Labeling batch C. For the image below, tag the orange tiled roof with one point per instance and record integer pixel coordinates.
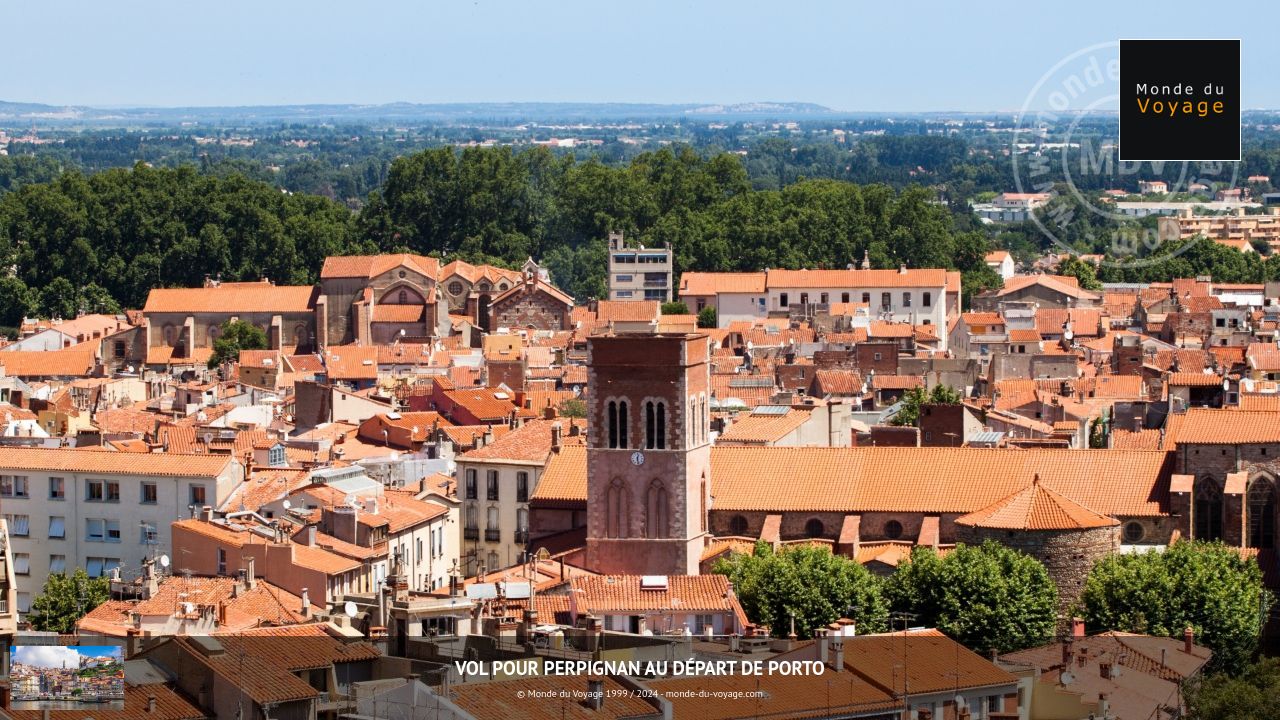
(896, 382)
(75, 361)
(351, 362)
(982, 318)
(708, 283)
(628, 311)
(785, 279)
(886, 479)
(392, 313)
(247, 297)
(1036, 507)
(605, 594)
(1194, 379)
(1065, 285)
(1259, 403)
(531, 442)
(1135, 440)
(482, 403)
(838, 382)
(1209, 426)
(84, 461)
(762, 429)
(367, 266)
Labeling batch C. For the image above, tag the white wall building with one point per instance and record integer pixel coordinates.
(98, 510)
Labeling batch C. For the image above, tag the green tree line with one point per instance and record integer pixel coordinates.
(100, 242)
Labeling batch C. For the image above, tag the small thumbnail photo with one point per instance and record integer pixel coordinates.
(61, 677)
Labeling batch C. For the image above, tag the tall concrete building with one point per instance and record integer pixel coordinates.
(639, 273)
(648, 453)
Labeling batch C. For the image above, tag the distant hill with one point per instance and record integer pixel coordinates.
(17, 113)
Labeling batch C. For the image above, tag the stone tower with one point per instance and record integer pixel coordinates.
(648, 452)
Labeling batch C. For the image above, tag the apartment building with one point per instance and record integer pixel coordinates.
(69, 509)
(497, 481)
(639, 273)
(917, 296)
(1235, 229)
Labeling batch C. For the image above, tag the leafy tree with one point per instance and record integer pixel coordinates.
(573, 408)
(913, 399)
(59, 299)
(1206, 586)
(236, 335)
(807, 584)
(65, 598)
(1080, 270)
(16, 301)
(1252, 695)
(987, 597)
(675, 308)
(707, 318)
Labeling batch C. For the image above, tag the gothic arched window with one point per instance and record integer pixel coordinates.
(1208, 509)
(1261, 512)
(657, 511)
(655, 425)
(616, 525)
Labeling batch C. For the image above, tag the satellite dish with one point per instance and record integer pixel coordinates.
(350, 609)
(164, 561)
(187, 608)
(1068, 334)
(286, 504)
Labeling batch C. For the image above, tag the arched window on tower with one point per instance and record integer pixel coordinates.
(624, 439)
(403, 296)
(611, 411)
(1262, 512)
(657, 515)
(655, 425)
(616, 510)
(1208, 509)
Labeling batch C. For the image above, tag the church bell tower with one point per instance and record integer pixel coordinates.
(648, 453)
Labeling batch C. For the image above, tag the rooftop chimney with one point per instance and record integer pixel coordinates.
(206, 513)
(1077, 627)
(311, 536)
(250, 581)
(595, 694)
(1104, 707)
(1188, 639)
(555, 437)
(306, 604)
(151, 703)
(1066, 652)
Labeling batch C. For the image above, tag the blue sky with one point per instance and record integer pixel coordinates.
(855, 56)
(55, 655)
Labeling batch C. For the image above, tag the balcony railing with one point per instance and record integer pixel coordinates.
(492, 535)
(522, 537)
(471, 533)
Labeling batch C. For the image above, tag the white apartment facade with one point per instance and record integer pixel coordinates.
(69, 509)
(494, 486)
(639, 273)
(916, 296)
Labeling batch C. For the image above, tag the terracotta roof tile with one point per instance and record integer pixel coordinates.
(531, 442)
(784, 279)
(1209, 426)
(232, 298)
(756, 429)
(606, 594)
(628, 311)
(367, 266)
(706, 283)
(83, 461)
(351, 362)
(75, 361)
(1140, 440)
(393, 313)
(886, 479)
(1036, 507)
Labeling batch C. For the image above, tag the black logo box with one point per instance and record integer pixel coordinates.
(1189, 65)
